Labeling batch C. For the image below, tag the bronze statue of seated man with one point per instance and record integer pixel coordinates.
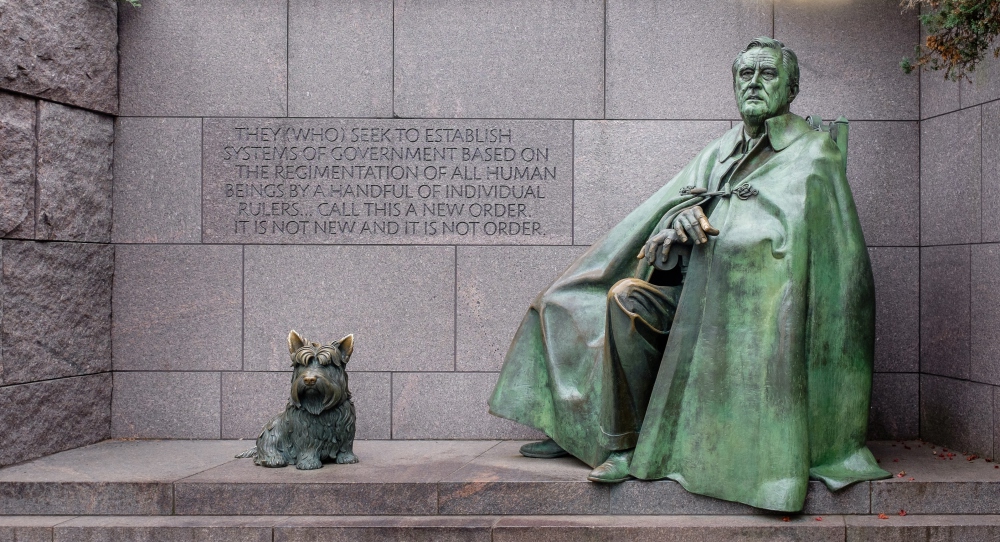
(734, 355)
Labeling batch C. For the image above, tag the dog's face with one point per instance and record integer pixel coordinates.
(319, 380)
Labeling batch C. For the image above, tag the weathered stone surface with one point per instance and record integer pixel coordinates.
(950, 178)
(249, 400)
(17, 165)
(167, 529)
(448, 406)
(61, 50)
(397, 301)
(991, 172)
(897, 308)
(392, 478)
(526, 59)
(157, 195)
(29, 528)
(368, 181)
(648, 74)
(495, 287)
(377, 529)
(48, 417)
(944, 310)
(171, 404)
(937, 94)
(958, 414)
(56, 309)
(985, 85)
(354, 82)
(985, 314)
(668, 528)
(178, 307)
(849, 55)
(221, 58)
(883, 170)
(895, 410)
(74, 174)
(618, 165)
(502, 481)
(922, 528)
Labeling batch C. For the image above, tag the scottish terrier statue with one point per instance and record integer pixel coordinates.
(318, 422)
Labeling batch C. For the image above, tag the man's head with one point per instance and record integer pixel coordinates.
(766, 80)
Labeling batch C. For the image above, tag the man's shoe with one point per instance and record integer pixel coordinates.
(545, 449)
(614, 470)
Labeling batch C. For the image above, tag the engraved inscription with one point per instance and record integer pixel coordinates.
(387, 181)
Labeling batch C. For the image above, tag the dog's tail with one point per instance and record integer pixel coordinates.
(252, 452)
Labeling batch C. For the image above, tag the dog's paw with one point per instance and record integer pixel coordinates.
(272, 462)
(308, 463)
(344, 458)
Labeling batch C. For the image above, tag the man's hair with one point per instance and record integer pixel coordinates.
(788, 58)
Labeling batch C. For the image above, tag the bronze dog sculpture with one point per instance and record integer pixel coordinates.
(318, 422)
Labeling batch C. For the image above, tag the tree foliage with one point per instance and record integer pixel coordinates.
(960, 33)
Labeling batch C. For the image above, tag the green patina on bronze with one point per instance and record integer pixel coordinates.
(764, 377)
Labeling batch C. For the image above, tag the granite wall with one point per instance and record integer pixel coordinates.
(58, 92)
(960, 259)
(628, 90)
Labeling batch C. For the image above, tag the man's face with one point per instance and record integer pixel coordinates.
(761, 85)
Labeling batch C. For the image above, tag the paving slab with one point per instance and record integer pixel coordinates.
(29, 528)
(167, 528)
(934, 480)
(502, 481)
(393, 478)
(669, 528)
(111, 477)
(379, 528)
(914, 528)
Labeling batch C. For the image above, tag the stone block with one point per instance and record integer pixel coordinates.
(167, 528)
(73, 174)
(985, 314)
(449, 406)
(895, 410)
(883, 170)
(392, 478)
(225, 58)
(157, 180)
(56, 310)
(493, 298)
(668, 528)
(29, 528)
(178, 307)
(398, 301)
(950, 178)
(17, 166)
(388, 181)
(619, 164)
(661, 63)
(62, 50)
(503, 482)
(985, 84)
(249, 400)
(938, 95)
(526, 59)
(944, 310)
(47, 417)
(957, 414)
(356, 81)
(378, 528)
(922, 528)
(991, 172)
(897, 308)
(166, 405)
(849, 57)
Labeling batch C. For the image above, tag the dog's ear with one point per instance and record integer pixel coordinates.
(346, 347)
(295, 341)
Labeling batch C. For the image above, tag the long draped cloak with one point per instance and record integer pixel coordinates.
(766, 376)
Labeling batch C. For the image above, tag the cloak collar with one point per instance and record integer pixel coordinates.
(781, 131)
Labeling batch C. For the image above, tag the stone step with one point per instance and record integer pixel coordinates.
(449, 478)
(704, 528)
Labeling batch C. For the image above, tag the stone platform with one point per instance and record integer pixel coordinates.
(462, 490)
